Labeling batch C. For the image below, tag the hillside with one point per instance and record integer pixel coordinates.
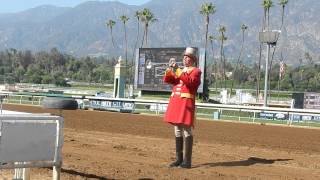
(81, 30)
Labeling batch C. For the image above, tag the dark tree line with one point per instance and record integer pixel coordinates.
(52, 67)
(304, 77)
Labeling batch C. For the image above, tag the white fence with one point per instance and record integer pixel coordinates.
(23, 99)
(300, 117)
(289, 116)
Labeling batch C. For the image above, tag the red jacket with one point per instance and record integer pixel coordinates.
(181, 107)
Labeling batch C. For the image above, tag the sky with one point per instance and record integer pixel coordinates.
(10, 6)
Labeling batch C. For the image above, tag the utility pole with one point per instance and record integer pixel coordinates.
(270, 38)
(265, 98)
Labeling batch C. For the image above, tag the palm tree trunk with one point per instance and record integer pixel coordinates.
(133, 55)
(137, 40)
(214, 67)
(146, 37)
(144, 33)
(264, 22)
(221, 61)
(224, 70)
(270, 69)
(126, 46)
(238, 61)
(275, 47)
(126, 41)
(112, 39)
(205, 84)
(282, 17)
(126, 54)
(259, 71)
(268, 25)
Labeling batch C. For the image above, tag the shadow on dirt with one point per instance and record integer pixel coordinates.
(84, 175)
(250, 161)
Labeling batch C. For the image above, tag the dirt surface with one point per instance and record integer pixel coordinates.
(105, 145)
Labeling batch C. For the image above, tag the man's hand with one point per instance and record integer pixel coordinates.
(172, 63)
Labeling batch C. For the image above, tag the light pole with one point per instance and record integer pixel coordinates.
(269, 37)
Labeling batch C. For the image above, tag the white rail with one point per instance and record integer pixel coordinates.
(215, 106)
(207, 110)
(223, 109)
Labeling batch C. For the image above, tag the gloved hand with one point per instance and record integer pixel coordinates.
(173, 63)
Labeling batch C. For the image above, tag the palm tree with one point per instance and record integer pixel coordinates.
(206, 10)
(283, 4)
(138, 16)
(260, 52)
(259, 71)
(222, 30)
(124, 20)
(147, 17)
(243, 28)
(214, 63)
(267, 4)
(110, 25)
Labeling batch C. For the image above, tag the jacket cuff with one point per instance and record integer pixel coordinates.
(168, 72)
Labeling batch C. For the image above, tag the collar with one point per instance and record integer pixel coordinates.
(188, 69)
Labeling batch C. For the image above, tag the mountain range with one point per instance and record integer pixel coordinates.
(82, 31)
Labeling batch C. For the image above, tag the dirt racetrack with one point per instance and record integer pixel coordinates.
(106, 145)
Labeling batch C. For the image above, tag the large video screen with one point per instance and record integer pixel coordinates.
(151, 64)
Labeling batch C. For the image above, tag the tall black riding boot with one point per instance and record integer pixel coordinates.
(187, 153)
(179, 152)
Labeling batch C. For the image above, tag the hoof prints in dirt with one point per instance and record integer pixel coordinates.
(120, 147)
(135, 149)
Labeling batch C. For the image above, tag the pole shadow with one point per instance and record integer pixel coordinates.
(248, 162)
(84, 175)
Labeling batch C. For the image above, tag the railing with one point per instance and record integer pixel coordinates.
(254, 114)
(23, 99)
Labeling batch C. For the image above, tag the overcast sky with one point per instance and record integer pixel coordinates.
(20, 5)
